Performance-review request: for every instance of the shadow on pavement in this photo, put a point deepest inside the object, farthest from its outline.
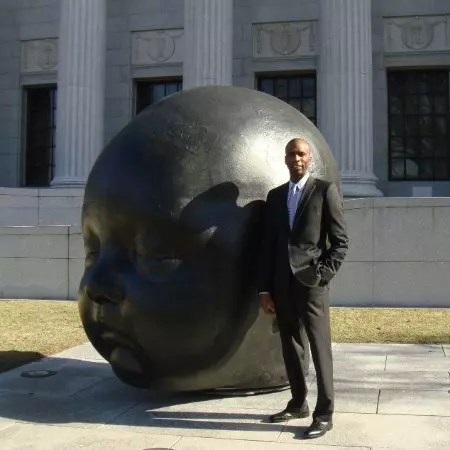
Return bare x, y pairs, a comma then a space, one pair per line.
11, 359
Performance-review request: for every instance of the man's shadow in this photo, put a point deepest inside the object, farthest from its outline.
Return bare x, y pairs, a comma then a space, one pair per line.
234, 226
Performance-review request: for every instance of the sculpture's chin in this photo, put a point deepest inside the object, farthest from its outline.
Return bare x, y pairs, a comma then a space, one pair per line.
122, 358
128, 368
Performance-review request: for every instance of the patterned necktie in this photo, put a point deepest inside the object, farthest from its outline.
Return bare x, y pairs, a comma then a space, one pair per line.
292, 204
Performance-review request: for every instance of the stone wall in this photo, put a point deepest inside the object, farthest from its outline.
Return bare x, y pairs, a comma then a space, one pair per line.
399, 255
41, 262
33, 207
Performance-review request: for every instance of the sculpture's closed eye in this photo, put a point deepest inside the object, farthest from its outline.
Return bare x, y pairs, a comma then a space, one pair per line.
160, 268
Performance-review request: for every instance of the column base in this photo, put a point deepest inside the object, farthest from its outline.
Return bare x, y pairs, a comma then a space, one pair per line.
68, 182
359, 186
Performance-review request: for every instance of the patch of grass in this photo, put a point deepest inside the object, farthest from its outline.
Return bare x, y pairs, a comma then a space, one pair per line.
391, 325
31, 329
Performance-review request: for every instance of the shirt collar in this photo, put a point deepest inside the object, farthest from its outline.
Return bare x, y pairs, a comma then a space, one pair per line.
300, 183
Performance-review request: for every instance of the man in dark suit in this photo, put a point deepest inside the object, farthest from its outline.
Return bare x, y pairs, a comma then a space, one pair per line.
297, 264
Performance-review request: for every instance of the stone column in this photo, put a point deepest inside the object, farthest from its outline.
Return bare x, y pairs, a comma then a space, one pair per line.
81, 85
208, 31
345, 89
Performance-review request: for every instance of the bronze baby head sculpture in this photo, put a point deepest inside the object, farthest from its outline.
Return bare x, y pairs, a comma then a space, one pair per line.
171, 224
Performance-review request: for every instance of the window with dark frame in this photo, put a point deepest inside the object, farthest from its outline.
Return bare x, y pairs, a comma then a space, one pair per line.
40, 135
419, 125
150, 91
298, 90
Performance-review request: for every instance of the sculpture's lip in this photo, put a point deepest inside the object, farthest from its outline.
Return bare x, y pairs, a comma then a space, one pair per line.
116, 338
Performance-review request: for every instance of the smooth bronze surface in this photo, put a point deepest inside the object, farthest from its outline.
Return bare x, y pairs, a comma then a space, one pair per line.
171, 224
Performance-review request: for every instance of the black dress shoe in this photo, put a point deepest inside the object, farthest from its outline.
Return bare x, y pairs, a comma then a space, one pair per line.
289, 414
318, 428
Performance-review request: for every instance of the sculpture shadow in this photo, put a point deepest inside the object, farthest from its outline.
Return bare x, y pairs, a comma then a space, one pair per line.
85, 393
98, 398
10, 359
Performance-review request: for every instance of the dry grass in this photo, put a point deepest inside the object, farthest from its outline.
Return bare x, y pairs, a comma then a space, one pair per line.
389, 325
31, 329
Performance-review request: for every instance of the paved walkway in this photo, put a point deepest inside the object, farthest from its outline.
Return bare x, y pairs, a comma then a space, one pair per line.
387, 397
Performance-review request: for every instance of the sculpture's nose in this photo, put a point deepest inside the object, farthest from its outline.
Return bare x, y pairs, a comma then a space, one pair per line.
103, 286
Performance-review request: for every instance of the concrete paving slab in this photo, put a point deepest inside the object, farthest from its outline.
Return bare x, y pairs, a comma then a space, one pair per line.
232, 423
426, 381
113, 388
417, 363
71, 376
193, 443
85, 352
414, 410
42, 437
346, 360
81, 413
446, 349
350, 399
388, 349
5, 423
424, 403
381, 431
71, 366
59, 386
263, 402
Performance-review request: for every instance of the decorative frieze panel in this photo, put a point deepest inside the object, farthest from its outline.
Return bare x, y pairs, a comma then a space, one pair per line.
417, 34
157, 47
40, 55
285, 39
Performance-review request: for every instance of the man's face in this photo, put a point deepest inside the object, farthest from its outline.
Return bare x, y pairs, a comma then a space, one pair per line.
298, 159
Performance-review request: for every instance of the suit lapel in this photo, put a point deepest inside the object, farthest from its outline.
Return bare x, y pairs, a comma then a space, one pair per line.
306, 195
285, 213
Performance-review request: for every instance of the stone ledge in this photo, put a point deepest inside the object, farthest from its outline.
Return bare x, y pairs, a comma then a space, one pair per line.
30, 230
411, 202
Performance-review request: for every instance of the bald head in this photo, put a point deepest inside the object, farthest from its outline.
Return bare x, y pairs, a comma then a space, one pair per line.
297, 142
297, 158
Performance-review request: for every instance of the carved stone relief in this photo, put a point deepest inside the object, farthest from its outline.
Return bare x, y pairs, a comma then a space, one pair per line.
40, 55
157, 47
286, 39
415, 34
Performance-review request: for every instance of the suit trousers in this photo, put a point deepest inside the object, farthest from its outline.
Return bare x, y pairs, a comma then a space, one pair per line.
305, 312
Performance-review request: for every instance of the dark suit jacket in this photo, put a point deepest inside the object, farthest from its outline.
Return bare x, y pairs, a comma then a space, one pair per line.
315, 248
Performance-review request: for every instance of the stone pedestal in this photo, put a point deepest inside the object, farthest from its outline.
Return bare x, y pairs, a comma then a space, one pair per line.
208, 28
346, 105
81, 85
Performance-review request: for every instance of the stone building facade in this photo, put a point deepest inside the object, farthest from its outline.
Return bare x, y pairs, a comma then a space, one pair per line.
372, 75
